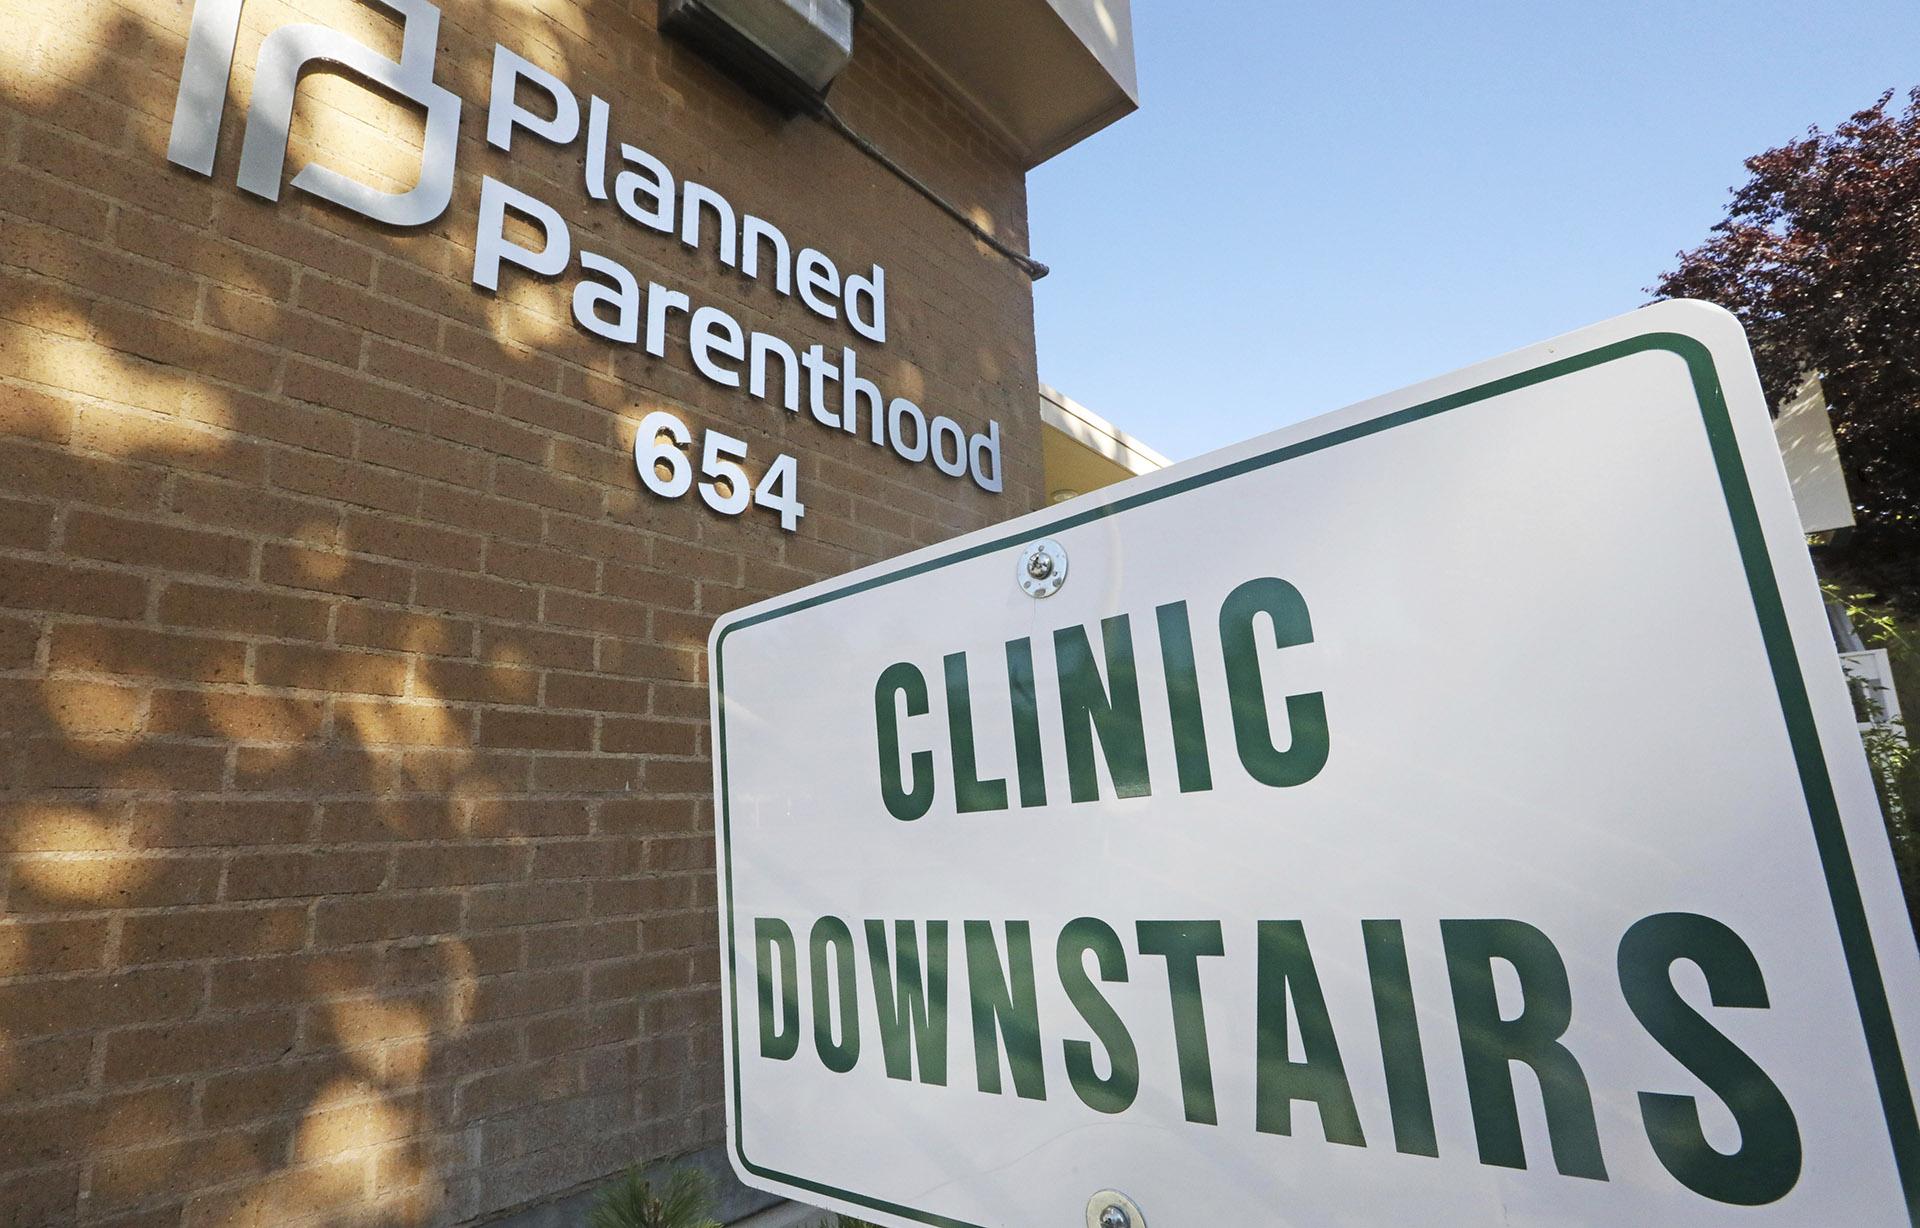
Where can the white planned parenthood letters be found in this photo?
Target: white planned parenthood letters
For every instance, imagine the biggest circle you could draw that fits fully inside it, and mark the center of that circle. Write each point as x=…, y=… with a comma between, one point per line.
x=1446, y=811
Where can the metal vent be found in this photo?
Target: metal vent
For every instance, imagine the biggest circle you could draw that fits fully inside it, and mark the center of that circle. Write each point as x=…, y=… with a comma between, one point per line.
x=786, y=51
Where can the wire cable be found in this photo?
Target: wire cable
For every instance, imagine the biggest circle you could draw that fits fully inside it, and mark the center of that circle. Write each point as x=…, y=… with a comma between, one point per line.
x=831, y=118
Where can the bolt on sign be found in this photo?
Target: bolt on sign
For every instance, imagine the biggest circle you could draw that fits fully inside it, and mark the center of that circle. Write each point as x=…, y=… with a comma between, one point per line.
x=1447, y=810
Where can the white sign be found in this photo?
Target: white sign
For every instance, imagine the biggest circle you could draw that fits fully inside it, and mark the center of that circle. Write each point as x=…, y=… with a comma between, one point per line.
x=1444, y=811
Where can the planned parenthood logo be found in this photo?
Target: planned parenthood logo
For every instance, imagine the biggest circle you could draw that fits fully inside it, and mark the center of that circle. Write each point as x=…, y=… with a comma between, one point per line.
x=286, y=53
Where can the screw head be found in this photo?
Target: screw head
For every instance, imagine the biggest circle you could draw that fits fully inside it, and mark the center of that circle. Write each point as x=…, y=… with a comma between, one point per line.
x=1043, y=569
x=1112, y=1209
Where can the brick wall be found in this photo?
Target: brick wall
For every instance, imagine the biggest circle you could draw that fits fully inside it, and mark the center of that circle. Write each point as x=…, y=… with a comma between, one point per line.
x=354, y=790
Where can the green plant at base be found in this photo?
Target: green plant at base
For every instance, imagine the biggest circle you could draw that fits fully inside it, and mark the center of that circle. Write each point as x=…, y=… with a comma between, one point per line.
x=687, y=1202
x=847, y=1221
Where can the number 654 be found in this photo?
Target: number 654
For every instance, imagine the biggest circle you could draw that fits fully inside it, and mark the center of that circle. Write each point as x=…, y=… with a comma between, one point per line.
x=659, y=453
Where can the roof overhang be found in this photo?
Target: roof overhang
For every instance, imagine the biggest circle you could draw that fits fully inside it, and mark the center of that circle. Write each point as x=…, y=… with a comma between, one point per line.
x=1046, y=73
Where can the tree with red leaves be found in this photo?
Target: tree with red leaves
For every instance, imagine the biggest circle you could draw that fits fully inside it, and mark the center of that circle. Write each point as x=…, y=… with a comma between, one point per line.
x=1819, y=256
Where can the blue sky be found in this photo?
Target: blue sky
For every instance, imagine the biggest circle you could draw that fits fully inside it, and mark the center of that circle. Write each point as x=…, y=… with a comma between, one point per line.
x=1318, y=202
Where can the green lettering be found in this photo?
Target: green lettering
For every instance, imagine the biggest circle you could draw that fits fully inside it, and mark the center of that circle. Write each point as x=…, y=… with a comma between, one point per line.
x=1285, y=968
x=837, y=1056
x=1489, y=1044
x=1400, y=1051
x=1088, y=708
x=1027, y=755
x=1767, y=1163
x=1306, y=753
x=1115, y=1092
x=903, y=803
x=1182, y=943
x=779, y=1039
x=1183, y=698
x=912, y=1012
x=1004, y=1003
x=970, y=793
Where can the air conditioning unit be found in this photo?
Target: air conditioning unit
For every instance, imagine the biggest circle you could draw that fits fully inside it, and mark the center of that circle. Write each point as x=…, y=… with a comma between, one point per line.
x=786, y=51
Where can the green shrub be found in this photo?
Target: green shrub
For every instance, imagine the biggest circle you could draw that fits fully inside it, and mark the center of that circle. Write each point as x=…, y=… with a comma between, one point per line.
x=687, y=1202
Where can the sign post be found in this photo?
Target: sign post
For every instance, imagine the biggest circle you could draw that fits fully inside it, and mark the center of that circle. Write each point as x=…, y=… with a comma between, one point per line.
x=1448, y=810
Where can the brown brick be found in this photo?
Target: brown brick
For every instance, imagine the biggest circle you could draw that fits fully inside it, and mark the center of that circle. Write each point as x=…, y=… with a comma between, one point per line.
x=41, y=948
x=355, y=822
x=285, y=876
x=72, y=762
x=551, y=649
x=595, y=693
x=96, y=648
x=641, y=736
x=38, y=1070
x=451, y=865
x=216, y=823
x=278, y=980
x=25, y=526
x=594, y=613
x=248, y=611
x=41, y=584
x=535, y=730
x=268, y=227
x=235, y=716
x=355, y=394
x=465, y=681
x=213, y=933
x=322, y=669
x=466, y=509
x=36, y=413
x=362, y=309
x=589, y=942
x=677, y=854
x=530, y=485
x=139, y=1054
x=325, y=571
x=680, y=702
x=30, y=470
x=89, y=269
x=177, y=1167
x=73, y=707
x=578, y=859
x=271, y=322
x=206, y=252
x=150, y=543
x=404, y=724
x=41, y=1008
x=679, y=775
x=419, y=543
x=542, y=565
x=586, y=773
x=534, y=816
x=414, y=369
x=465, y=594
x=327, y=477
x=642, y=976
x=384, y=917
x=252, y=510
x=651, y=814
x=171, y=344
x=110, y=881
x=423, y=455
x=640, y=660
x=527, y=993
x=371, y=627
x=19, y=641
x=267, y=1091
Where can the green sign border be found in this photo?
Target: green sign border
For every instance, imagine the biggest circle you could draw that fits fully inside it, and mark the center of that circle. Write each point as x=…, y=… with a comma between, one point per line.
x=1843, y=888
